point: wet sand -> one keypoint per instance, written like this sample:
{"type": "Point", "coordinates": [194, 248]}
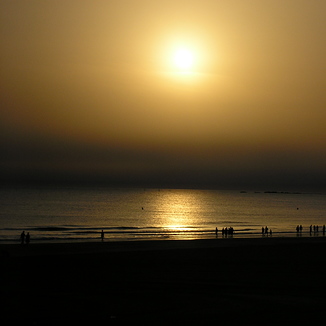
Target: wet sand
{"type": "Point", "coordinates": [271, 281]}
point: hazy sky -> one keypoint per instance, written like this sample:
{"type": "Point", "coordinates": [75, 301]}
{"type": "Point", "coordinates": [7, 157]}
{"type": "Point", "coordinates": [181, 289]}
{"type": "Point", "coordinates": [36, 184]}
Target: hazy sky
{"type": "Point", "coordinates": [90, 91]}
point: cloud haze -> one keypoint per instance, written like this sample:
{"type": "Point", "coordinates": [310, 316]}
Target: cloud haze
{"type": "Point", "coordinates": [88, 93]}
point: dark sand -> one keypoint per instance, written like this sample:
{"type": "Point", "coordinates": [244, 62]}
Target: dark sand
{"type": "Point", "coordinates": [266, 281]}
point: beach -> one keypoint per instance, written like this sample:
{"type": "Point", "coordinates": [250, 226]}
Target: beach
{"type": "Point", "coordinates": [267, 280]}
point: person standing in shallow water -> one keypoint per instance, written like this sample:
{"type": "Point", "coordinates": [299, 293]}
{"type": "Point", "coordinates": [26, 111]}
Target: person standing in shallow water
{"type": "Point", "coordinates": [22, 238]}
{"type": "Point", "coordinates": [102, 235]}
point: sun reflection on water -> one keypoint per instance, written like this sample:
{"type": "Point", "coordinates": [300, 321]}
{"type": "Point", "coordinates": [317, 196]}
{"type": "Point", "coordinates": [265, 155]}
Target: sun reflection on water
{"type": "Point", "coordinates": [182, 210]}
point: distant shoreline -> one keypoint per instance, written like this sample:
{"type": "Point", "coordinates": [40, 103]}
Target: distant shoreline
{"type": "Point", "coordinates": [209, 235]}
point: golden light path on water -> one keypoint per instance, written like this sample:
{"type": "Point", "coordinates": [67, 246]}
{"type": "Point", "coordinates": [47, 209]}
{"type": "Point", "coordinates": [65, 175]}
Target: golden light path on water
{"type": "Point", "coordinates": [182, 210]}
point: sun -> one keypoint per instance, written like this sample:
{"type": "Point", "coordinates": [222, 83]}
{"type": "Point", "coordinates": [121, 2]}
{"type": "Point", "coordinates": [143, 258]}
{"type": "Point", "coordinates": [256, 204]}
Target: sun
{"type": "Point", "coordinates": [183, 59]}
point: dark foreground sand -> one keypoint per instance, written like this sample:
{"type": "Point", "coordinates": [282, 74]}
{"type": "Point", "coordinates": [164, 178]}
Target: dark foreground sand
{"type": "Point", "coordinates": [267, 281]}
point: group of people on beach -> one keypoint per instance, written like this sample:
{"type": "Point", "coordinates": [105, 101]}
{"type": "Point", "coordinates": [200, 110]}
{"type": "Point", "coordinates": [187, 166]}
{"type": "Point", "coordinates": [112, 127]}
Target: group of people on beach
{"type": "Point", "coordinates": [299, 228]}
{"type": "Point", "coordinates": [316, 229]}
{"type": "Point", "coordinates": [225, 231]}
{"type": "Point", "coordinates": [266, 231]}
{"type": "Point", "coordinates": [25, 238]}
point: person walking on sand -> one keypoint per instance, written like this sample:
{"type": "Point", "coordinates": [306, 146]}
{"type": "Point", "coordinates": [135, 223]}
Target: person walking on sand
{"type": "Point", "coordinates": [28, 238]}
{"type": "Point", "coordinates": [22, 238]}
{"type": "Point", "coordinates": [102, 235]}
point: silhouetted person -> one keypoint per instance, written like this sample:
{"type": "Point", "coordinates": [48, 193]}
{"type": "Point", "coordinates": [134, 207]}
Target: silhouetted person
{"type": "Point", "coordinates": [297, 228]}
{"type": "Point", "coordinates": [301, 228]}
{"type": "Point", "coordinates": [270, 232]}
{"type": "Point", "coordinates": [28, 238]}
{"type": "Point", "coordinates": [22, 238]}
{"type": "Point", "coordinates": [102, 235]}
{"type": "Point", "coordinates": [216, 231]}
{"type": "Point", "coordinates": [310, 229]}
{"type": "Point", "coordinates": [262, 230]}
{"type": "Point", "coordinates": [323, 229]}
{"type": "Point", "coordinates": [266, 230]}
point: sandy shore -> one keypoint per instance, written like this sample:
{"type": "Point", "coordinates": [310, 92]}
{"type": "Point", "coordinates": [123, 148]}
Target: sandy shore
{"type": "Point", "coordinates": [273, 281]}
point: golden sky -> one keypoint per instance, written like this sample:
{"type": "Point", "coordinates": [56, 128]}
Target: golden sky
{"type": "Point", "coordinates": [90, 90]}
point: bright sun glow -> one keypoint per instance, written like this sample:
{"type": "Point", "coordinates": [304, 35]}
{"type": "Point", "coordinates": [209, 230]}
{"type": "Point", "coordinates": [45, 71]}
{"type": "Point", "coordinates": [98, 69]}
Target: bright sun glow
{"type": "Point", "coordinates": [183, 59]}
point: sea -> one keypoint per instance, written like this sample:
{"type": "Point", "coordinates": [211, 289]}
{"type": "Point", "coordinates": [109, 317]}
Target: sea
{"type": "Point", "coordinates": [72, 214]}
